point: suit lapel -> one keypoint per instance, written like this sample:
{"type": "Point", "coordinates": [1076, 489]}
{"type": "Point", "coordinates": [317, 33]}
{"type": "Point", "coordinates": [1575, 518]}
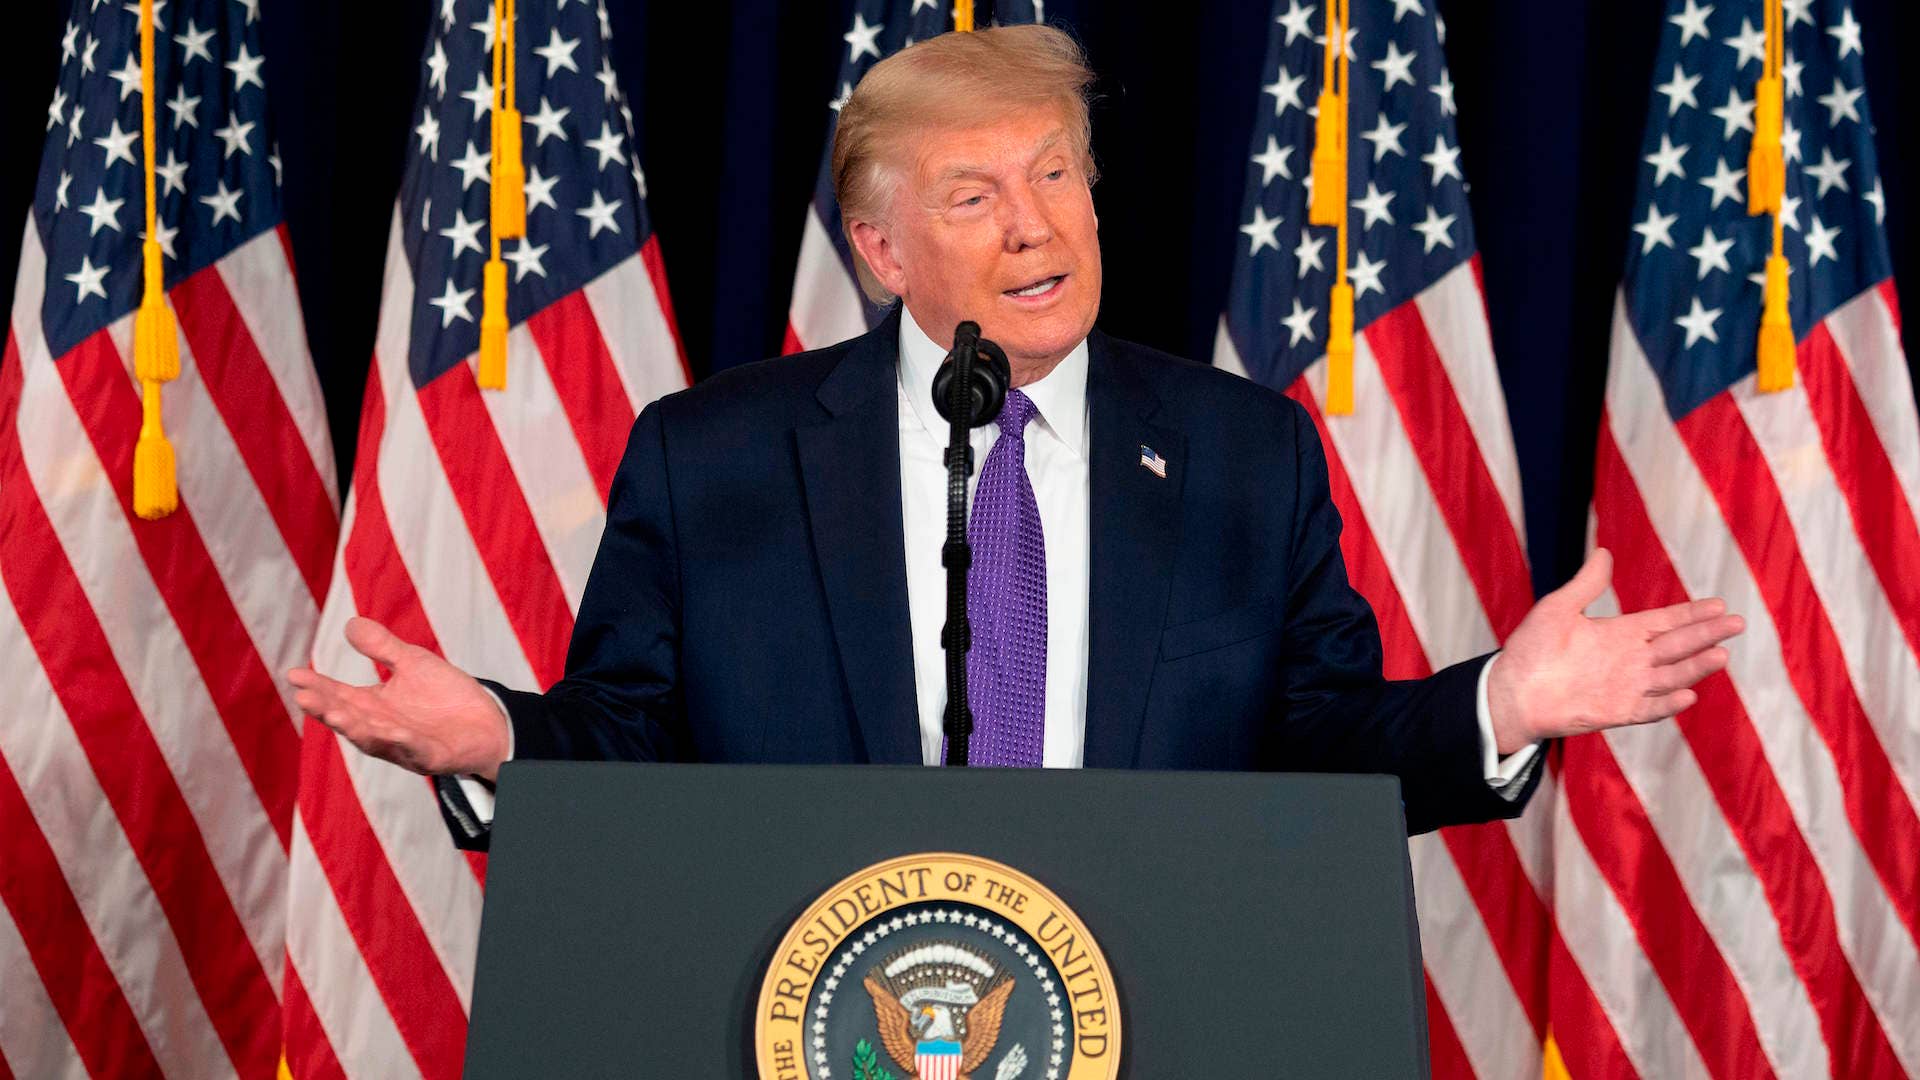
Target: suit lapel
{"type": "Point", "coordinates": [850, 464]}
{"type": "Point", "coordinates": [1133, 536]}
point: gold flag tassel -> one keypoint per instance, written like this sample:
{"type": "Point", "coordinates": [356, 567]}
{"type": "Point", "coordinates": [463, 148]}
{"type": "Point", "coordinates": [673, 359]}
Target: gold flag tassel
{"type": "Point", "coordinates": [962, 15]}
{"type": "Point", "coordinates": [1766, 192]}
{"type": "Point", "coordinates": [492, 374]}
{"type": "Point", "coordinates": [156, 340]}
{"type": "Point", "coordinates": [510, 212]}
{"type": "Point", "coordinates": [1329, 207]}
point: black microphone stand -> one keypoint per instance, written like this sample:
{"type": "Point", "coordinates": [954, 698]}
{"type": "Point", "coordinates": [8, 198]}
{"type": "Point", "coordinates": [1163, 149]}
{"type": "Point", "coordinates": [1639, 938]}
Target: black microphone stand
{"type": "Point", "coordinates": [969, 391]}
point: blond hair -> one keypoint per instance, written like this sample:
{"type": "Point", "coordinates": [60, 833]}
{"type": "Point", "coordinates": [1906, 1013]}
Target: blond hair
{"type": "Point", "coordinates": [950, 80]}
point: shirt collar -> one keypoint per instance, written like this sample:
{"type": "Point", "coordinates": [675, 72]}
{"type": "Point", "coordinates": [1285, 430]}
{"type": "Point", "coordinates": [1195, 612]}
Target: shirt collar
{"type": "Point", "coordinates": [1060, 397]}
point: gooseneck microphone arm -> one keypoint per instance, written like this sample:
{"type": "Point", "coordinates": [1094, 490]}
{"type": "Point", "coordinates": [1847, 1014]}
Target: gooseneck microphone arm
{"type": "Point", "coordinates": [968, 390]}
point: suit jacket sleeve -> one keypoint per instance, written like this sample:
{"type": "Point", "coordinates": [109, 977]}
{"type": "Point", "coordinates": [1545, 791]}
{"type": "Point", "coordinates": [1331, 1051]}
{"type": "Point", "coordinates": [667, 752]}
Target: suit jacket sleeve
{"type": "Point", "coordinates": [1341, 716]}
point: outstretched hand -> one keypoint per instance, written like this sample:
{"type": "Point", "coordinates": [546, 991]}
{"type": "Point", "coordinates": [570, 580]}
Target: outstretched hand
{"type": "Point", "coordinates": [428, 716]}
{"type": "Point", "coordinates": [1563, 673]}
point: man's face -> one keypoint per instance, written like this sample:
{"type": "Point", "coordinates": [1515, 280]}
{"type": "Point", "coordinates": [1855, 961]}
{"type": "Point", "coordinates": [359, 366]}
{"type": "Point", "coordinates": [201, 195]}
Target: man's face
{"type": "Point", "coordinates": [994, 223]}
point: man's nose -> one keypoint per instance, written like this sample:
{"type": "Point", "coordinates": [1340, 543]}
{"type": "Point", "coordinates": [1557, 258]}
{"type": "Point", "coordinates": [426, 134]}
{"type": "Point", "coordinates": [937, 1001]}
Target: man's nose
{"type": "Point", "coordinates": [1026, 220]}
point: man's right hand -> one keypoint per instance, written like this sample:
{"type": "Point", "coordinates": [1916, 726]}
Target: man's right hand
{"type": "Point", "coordinates": [428, 716]}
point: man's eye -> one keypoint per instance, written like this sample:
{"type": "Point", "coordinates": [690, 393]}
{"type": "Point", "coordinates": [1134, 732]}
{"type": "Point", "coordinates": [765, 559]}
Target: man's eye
{"type": "Point", "coordinates": [974, 201]}
{"type": "Point", "coordinates": [1056, 174]}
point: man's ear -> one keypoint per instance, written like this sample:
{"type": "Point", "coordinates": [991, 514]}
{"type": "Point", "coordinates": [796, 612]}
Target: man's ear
{"type": "Point", "coordinates": [876, 247]}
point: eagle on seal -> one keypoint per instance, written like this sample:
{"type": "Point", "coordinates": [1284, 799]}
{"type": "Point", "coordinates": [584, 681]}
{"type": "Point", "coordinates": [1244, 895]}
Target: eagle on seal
{"type": "Point", "coordinates": [933, 999]}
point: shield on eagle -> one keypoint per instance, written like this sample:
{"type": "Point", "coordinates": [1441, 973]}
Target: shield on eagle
{"type": "Point", "coordinates": [938, 1006]}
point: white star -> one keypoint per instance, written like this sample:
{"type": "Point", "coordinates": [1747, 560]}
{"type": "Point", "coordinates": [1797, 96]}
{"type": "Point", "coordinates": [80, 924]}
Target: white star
{"type": "Point", "coordinates": [429, 132]}
{"type": "Point", "coordinates": [1656, 230]}
{"type": "Point", "coordinates": [132, 7]}
{"type": "Point", "coordinates": [67, 48]}
{"type": "Point", "coordinates": [1300, 323]}
{"type": "Point", "coordinates": [1820, 242]}
{"type": "Point", "coordinates": [1374, 207]}
{"type": "Point", "coordinates": [452, 304]}
{"type": "Point", "coordinates": [224, 203]}
{"type": "Point", "coordinates": [66, 181]}
{"type": "Point", "coordinates": [1320, 39]}
{"type": "Point", "coordinates": [182, 107]}
{"type": "Point", "coordinates": [1847, 33]}
{"type": "Point", "coordinates": [861, 39]}
{"type": "Point", "coordinates": [102, 212]}
{"type": "Point", "coordinates": [600, 215]}
{"type": "Point", "coordinates": [918, 4]}
{"type": "Point", "coordinates": [1839, 103]}
{"type": "Point", "coordinates": [1306, 254]}
{"type": "Point", "coordinates": [1285, 90]}
{"type": "Point", "coordinates": [1444, 91]}
{"type": "Point", "coordinates": [437, 69]}
{"type": "Point", "coordinates": [1798, 11]}
{"type": "Point", "coordinates": [1436, 229]}
{"type": "Point", "coordinates": [1878, 198]}
{"type": "Point", "coordinates": [1666, 160]}
{"type": "Point", "coordinates": [73, 123]}
{"type": "Point", "coordinates": [118, 144]}
{"type": "Point", "coordinates": [1273, 162]}
{"type": "Point", "coordinates": [1297, 20]}
{"type": "Point", "coordinates": [1260, 231]}
{"type": "Point", "coordinates": [464, 234]}
{"type": "Point", "coordinates": [606, 23]}
{"type": "Point", "coordinates": [845, 95]}
{"type": "Point", "coordinates": [526, 260]}
{"type": "Point", "coordinates": [1385, 137]}
{"type": "Point", "coordinates": [487, 28]}
{"type": "Point", "coordinates": [540, 189]}
{"type": "Point", "coordinates": [1402, 7]}
{"type": "Point", "coordinates": [1711, 254]}
{"type": "Point", "coordinates": [1724, 183]}
{"type": "Point", "coordinates": [163, 235]}
{"type": "Point", "coordinates": [172, 175]}
{"type": "Point", "coordinates": [234, 135]}
{"type": "Point", "coordinates": [1789, 213]}
{"type": "Point", "coordinates": [1443, 161]}
{"type": "Point", "coordinates": [473, 166]}
{"type": "Point", "coordinates": [547, 122]}
{"type": "Point", "coordinates": [1698, 324]}
{"type": "Point", "coordinates": [1397, 66]}
{"type": "Point", "coordinates": [86, 55]}
{"type": "Point", "coordinates": [57, 109]}
{"type": "Point", "coordinates": [609, 82]}
{"type": "Point", "coordinates": [273, 159]}
{"type": "Point", "coordinates": [194, 40]}
{"type": "Point", "coordinates": [558, 53]}
{"type": "Point", "coordinates": [1749, 43]}
{"type": "Point", "coordinates": [608, 145]}
{"type": "Point", "coordinates": [1790, 74]}
{"type": "Point", "coordinates": [88, 278]}
{"type": "Point", "coordinates": [1830, 172]}
{"type": "Point", "coordinates": [1692, 22]}
{"type": "Point", "coordinates": [1679, 90]}
{"type": "Point", "coordinates": [1736, 114]}
{"type": "Point", "coordinates": [1365, 276]}
{"type": "Point", "coordinates": [246, 70]}
{"type": "Point", "coordinates": [253, 10]}
{"type": "Point", "coordinates": [481, 96]}
{"type": "Point", "coordinates": [1789, 141]}
{"type": "Point", "coordinates": [128, 77]}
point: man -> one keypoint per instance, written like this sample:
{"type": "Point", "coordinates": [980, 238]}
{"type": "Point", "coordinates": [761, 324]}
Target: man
{"type": "Point", "coordinates": [1157, 578]}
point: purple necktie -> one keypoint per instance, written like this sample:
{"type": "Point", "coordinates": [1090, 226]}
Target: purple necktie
{"type": "Point", "coordinates": [1007, 602]}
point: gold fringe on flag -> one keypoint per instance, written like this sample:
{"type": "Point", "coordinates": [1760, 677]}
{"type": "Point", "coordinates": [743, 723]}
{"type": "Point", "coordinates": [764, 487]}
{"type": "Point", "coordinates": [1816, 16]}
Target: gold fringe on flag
{"type": "Point", "coordinates": [1766, 192]}
{"type": "Point", "coordinates": [492, 373]}
{"type": "Point", "coordinates": [963, 15]}
{"type": "Point", "coordinates": [1328, 206]}
{"type": "Point", "coordinates": [156, 337]}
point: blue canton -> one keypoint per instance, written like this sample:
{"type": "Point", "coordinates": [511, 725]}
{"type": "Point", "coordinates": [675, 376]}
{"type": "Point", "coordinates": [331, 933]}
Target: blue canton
{"type": "Point", "coordinates": [218, 165]}
{"type": "Point", "coordinates": [1409, 222]}
{"type": "Point", "coordinates": [1694, 280]}
{"type": "Point", "coordinates": [586, 193]}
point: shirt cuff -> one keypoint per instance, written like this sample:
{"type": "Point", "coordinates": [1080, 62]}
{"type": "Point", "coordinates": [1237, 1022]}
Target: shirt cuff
{"type": "Point", "coordinates": [1500, 773]}
{"type": "Point", "coordinates": [480, 795]}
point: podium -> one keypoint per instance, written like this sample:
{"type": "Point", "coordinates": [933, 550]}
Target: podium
{"type": "Point", "coordinates": [639, 918]}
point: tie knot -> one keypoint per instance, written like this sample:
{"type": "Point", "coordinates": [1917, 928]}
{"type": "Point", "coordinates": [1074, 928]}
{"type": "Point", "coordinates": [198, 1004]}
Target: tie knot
{"type": "Point", "coordinates": [1018, 410]}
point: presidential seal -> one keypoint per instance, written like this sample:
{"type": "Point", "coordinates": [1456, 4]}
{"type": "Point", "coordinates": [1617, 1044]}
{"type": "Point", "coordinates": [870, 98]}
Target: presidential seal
{"type": "Point", "coordinates": [938, 967]}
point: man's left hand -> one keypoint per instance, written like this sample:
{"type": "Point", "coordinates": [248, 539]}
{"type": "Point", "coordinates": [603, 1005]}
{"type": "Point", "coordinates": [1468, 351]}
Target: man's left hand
{"type": "Point", "coordinates": [1563, 673]}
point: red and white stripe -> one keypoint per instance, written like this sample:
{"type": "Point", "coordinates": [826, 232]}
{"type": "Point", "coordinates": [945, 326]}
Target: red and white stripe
{"type": "Point", "coordinates": [149, 751]}
{"type": "Point", "coordinates": [827, 305]}
{"type": "Point", "coordinates": [471, 525]}
{"type": "Point", "coordinates": [1424, 475]}
{"type": "Point", "coordinates": [1751, 874]}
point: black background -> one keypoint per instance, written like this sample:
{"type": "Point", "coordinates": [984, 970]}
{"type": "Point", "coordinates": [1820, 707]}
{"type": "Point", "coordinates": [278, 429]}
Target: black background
{"type": "Point", "coordinates": [731, 101]}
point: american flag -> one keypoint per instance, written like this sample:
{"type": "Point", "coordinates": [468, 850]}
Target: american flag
{"type": "Point", "coordinates": [827, 304]}
{"type": "Point", "coordinates": [1742, 889]}
{"type": "Point", "coordinates": [1423, 471]}
{"type": "Point", "coordinates": [148, 749]}
{"type": "Point", "coordinates": [474, 514]}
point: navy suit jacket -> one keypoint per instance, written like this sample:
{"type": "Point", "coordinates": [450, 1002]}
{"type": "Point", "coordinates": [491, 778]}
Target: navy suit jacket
{"type": "Point", "coordinates": [749, 599]}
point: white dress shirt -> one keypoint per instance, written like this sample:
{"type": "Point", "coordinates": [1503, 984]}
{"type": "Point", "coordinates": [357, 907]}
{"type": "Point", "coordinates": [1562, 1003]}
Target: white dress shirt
{"type": "Point", "coordinates": [1057, 451]}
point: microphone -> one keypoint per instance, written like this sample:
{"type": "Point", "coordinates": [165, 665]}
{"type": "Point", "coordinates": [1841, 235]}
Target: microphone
{"type": "Point", "coordinates": [989, 376]}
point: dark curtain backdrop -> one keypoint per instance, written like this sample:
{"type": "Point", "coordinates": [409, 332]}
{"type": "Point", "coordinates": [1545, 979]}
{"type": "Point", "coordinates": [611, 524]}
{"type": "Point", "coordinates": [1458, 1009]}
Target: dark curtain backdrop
{"type": "Point", "coordinates": [731, 98]}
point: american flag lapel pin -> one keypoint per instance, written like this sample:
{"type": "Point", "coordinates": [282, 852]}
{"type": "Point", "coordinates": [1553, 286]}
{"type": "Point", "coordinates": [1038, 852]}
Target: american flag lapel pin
{"type": "Point", "coordinates": [1153, 462]}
